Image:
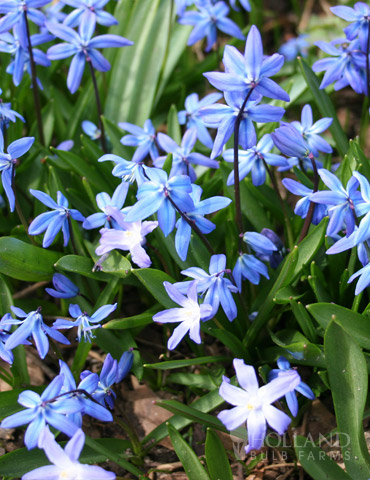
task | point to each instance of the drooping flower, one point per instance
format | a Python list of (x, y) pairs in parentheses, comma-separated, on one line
[(32, 325), (302, 206), (248, 267), (63, 287), (7, 163), (6, 355), (84, 322), (82, 47), (302, 388), (206, 20), (82, 7), (214, 285), (142, 138), (253, 404), (190, 314), (244, 3), (91, 130), (52, 222), (251, 71), (65, 464)]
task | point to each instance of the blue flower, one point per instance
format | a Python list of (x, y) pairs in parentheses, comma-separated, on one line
[(32, 325), (63, 287), (346, 68), (274, 257), (14, 13), (91, 130), (192, 119), (364, 281), (310, 130), (143, 138), (6, 355), (65, 462), (190, 314), (84, 323), (359, 15), (252, 160), (253, 404), (201, 208), (104, 203), (244, 3), (341, 201), (83, 7), (223, 117), (207, 20), (128, 171), (214, 285), (294, 46), (251, 71), (7, 163), (181, 6), (162, 195), (302, 206), (43, 410), (182, 156), (54, 221), (302, 388), (82, 47), (7, 114), (248, 267)]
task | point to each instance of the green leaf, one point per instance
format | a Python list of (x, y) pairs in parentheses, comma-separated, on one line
[(26, 262), (216, 458), (192, 466), (325, 106), (315, 461), (304, 320), (152, 280), (297, 345), (173, 126), (19, 462), (6, 299), (9, 401), (355, 324), (193, 380), (171, 364), (133, 322), (81, 266), (349, 386), (116, 264), (231, 341)]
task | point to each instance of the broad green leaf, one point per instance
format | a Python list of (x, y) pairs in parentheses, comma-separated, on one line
[(193, 380), (152, 280), (286, 294), (6, 299), (216, 458), (349, 386), (19, 462), (192, 466), (304, 320), (133, 322), (297, 345), (355, 324), (26, 262), (315, 461), (325, 106), (81, 266), (116, 264), (171, 364)]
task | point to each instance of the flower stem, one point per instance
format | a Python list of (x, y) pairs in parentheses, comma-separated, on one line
[(311, 208), (35, 87), (98, 106), (238, 211), (192, 224)]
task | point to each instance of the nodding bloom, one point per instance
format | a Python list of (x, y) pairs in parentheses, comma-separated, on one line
[(82, 47), (214, 285), (182, 156), (142, 138), (302, 388), (17, 46), (126, 236), (8, 161), (32, 325), (244, 3), (84, 322), (91, 130), (65, 462), (360, 16), (253, 404), (52, 222), (295, 46), (249, 71), (192, 119), (310, 130), (14, 11), (6, 355), (43, 410), (7, 114), (82, 7), (253, 160), (190, 314), (106, 204), (201, 208), (162, 195), (206, 20), (63, 287), (223, 117)]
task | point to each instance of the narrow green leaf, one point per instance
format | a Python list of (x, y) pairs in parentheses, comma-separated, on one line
[(173, 126), (81, 266), (6, 299), (192, 466), (216, 458), (193, 380), (171, 364), (349, 385), (152, 280), (133, 322), (304, 320)]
